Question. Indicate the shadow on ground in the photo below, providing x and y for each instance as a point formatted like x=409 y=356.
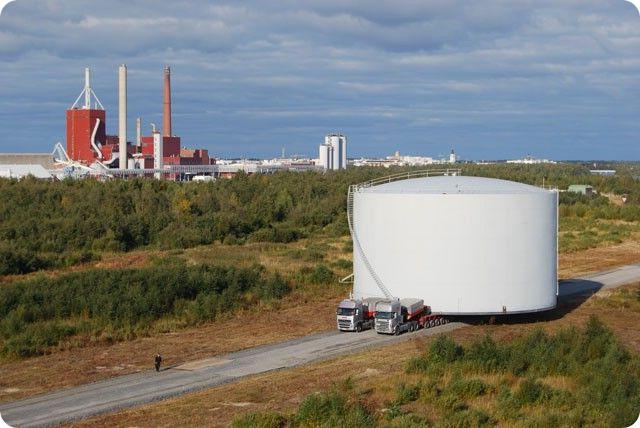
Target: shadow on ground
x=573 y=293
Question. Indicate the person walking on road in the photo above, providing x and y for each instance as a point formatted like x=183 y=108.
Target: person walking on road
x=157 y=361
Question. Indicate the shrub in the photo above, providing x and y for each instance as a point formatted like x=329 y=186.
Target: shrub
x=407 y=393
x=467 y=418
x=322 y=275
x=467 y=388
x=332 y=410
x=442 y=350
x=533 y=392
x=125 y=300
x=343 y=264
x=260 y=420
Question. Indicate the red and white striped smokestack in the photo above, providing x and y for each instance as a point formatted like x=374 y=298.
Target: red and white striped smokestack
x=166 y=117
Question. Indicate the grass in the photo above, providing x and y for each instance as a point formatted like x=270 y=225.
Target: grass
x=577 y=233
x=448 y=380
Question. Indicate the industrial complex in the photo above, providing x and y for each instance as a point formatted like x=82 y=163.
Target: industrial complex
x=89 y=145
x=91 y=152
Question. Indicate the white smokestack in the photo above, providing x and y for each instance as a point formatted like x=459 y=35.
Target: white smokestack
x=122 y=111
x=158 y=155
x=87 y=88
x=138 y=132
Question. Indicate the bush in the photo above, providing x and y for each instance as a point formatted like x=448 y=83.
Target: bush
x=36 y=338
x=332 y=410
x=260 y=420
x=442 y=350
x=322 y=275
x=125 y=300
x=467 y=418
x=533 y=392
x=407 y=393
x=467 y=388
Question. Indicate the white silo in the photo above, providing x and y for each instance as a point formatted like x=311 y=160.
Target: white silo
x=326 y=156
x=343 y=143
x=466 y=245
x=339 y=144
x=334 y=140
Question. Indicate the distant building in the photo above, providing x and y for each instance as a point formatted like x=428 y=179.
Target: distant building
x=45 y=159
x=21 y=171
x=453 y=158
x=583 y=189
x=530 y=160
x=604 y=172
x=333 y=153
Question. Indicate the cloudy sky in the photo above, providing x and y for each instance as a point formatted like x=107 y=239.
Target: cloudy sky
x=493 y=79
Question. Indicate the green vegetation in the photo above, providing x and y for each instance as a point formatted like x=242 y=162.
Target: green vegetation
x=123 y=303
x=46 y=225
x=576 y=377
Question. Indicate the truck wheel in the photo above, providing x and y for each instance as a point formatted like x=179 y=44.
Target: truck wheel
x=396 y=331
x=359 y=328
x=438 y=321
x=411 y=328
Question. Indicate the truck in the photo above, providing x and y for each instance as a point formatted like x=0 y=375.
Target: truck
x=356 y=315
x=399 y=316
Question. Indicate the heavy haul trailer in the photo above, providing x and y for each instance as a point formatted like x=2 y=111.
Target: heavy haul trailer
x=399 y=316
x=386 y=316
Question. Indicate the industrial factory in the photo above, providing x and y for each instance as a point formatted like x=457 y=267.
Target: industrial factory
x=160 y=153
x=91 y=152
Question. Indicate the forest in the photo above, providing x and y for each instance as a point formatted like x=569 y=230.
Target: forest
x=44 y=225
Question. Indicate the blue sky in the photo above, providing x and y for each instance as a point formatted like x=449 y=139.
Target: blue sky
x=493 y=79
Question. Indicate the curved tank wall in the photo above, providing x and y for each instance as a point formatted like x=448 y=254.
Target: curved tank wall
x=466 y=245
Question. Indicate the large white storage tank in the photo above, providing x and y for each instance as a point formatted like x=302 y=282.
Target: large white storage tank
x=466 y=245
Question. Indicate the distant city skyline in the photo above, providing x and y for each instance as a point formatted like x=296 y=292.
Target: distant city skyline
x=557 y=79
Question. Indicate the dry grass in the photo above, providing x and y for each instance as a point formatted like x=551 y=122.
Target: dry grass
x=282 y=391
x=99 y=360
x=598 y=259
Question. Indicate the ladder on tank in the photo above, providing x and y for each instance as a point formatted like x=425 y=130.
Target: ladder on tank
x=356 y=243
x=354 y=188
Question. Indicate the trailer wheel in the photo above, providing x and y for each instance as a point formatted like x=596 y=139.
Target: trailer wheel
x=431 y=323
x=438 y=321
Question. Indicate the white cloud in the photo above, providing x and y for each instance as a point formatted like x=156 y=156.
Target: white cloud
x=283 y=72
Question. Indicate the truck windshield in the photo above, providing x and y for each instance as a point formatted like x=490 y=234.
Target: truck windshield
x=346 y=311
x=385 y=315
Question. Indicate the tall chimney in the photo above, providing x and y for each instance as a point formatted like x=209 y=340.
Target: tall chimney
x=166 y=117
x=139 y=132
x=87 y=88
x=122 y=116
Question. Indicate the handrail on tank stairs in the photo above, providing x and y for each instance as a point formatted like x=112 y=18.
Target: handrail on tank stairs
x=354 y=188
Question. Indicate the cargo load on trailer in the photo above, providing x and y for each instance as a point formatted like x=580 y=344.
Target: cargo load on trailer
x=399 y=316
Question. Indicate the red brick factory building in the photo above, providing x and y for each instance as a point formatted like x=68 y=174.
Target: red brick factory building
x=89 y=144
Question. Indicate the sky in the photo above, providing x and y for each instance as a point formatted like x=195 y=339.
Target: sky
x=493 y=79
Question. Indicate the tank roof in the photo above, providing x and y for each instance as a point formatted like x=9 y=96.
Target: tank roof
x=454 y=185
